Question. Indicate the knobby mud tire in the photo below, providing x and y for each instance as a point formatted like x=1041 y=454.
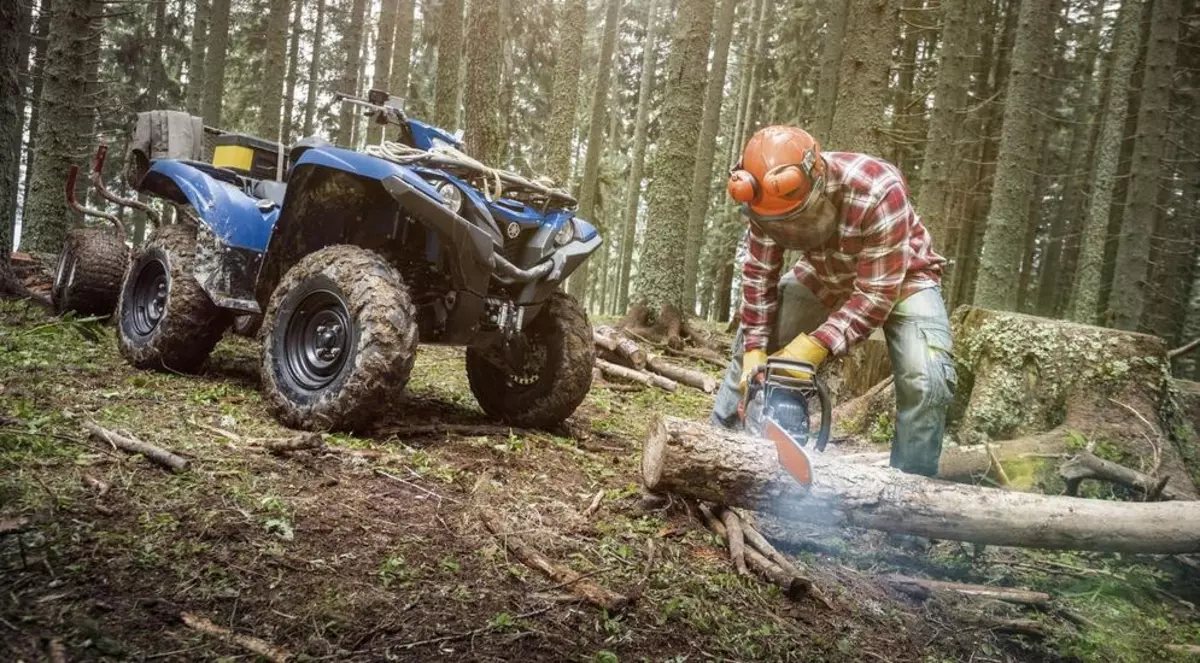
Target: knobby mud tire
x=381 y=350
x=248 y=325
x=191 y=324
x=563 y=330
x=91 y=267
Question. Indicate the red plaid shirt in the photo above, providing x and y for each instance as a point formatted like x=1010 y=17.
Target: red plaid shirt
x=883 y=255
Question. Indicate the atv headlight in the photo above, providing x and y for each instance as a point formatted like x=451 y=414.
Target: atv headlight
x=565 y=234
x=452 y=196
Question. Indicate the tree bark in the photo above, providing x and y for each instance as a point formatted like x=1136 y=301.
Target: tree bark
x=293 y=72
x=274 y=70
x=484 y=48
x=859 y=119
x=214 y=63
x=837 y=13
x=449 y=64
x=12 y=110
x=589 y=187
x=702 y=462
x=382 y=67
x=1085 y=296
x=402 y=49
x=314 y=71
x=633 y=190
x=702 y=176
x=352 y=46
x=565 y=92
x=1128 y=298
x=196 y=57
x=659 y=283
x=1000 y=261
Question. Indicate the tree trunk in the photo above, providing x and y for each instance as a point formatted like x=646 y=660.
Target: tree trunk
x=859 y=119
x=941 y=143
x=706 y=463
x=314 y=71
x=633 y=190
x=352 y=46
x=64 y=110
x=754 y=62
x=158 y=71
x=449 y=64
x=274 y=70
x=13 y=19
x=588 y=188
x=214 y=62
x=904 y=117
x=1175 y=237
x=1128 y=298
x=482 y=102
x=381 y=74
x=41 y=43
x=1085 y=296
x=565 y=92
x=195 y=87
x=837 y=14
x=293 y=72
x=1000 y=262
x=659 y=283
x=746 y=63
x=402 y=48
x=702 y=177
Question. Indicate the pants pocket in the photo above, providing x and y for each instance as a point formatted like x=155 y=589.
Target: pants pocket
x=939 y=363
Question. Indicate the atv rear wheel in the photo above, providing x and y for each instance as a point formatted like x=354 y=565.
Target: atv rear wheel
x=557 y=374
x=167 y=321
x=87 y=279
x=339 y=340
x=247 y=325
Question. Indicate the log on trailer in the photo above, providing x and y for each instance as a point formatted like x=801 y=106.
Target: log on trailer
x=699 y=461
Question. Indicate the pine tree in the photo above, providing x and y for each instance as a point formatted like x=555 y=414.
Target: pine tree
x=595 y=138
x=449 y=64
x=352 y=46
x=195 y=71
x=158 y=72
x=858 y=118
x=41 y=43
x=1128 y=298
x=13 y=20
x=314 y=71
x=837 y=13
x=660 y=280
x=482 y=99
x=633 y=189
x=1003 y=242
x=293 y=71
x=565 y=93
x=274 y=70
x=702 y=176
x=214 y=62
x=64 y=130
x=380 y=77
x=402 y=49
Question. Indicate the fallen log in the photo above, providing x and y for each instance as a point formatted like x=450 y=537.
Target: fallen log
x=706 y=356
x=156 y=454
x=681 y=375
x=576 y=583
x=701 y=462
x=616 y=343
x=1085 y=465
x=249 y=643
x=922 y=588
x=632 y=375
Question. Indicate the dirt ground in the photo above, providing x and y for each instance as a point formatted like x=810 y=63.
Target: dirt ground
x=372 y=548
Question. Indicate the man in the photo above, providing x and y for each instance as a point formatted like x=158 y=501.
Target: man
x=866 y=261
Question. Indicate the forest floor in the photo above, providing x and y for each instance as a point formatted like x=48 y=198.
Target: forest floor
x=372 y=548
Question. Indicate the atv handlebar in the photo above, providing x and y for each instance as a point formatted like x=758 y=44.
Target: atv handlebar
x=383 y=113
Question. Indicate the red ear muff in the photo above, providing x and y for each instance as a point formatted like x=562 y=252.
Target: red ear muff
x=743 y=188
x=785 y=182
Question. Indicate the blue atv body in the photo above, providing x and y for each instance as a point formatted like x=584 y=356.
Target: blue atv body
x=458 y=267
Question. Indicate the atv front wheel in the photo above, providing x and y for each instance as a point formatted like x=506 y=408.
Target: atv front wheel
x=87 y=279
x=555 y=376
x=167 y=321
x=340 y=338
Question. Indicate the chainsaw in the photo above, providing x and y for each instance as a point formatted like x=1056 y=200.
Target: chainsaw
x=775 y=408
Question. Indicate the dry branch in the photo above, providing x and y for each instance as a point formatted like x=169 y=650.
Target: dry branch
x=682 y=375
x=249 y=643
x=624 y=373
x=794 y=586
x=922 y=588
x=594 y=506
x=736 y=539
x=1086 y=465
x=1194 y=650
x=591 y=592
x=1184 y=349
x=698 y=461
x=298 y=443
x=156 y=454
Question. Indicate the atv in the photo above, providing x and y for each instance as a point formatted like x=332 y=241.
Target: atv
x=351 y=259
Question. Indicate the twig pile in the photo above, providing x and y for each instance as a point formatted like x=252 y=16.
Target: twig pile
x=622 y=358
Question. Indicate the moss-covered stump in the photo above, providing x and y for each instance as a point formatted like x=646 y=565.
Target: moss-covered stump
x=1022 y=375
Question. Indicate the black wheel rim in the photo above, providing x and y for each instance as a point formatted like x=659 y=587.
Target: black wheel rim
x=150 y=293
x=317 y=340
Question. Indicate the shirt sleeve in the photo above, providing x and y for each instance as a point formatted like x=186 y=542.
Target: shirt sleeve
x=880 y=273
x=760 y=289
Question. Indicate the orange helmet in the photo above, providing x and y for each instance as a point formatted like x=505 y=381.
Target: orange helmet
x=779 y=169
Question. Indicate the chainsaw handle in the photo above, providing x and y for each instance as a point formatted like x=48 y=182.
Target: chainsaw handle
x=826 y=413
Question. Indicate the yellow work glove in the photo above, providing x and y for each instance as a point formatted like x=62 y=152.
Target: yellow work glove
x=803 y=348
x=750 y=361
